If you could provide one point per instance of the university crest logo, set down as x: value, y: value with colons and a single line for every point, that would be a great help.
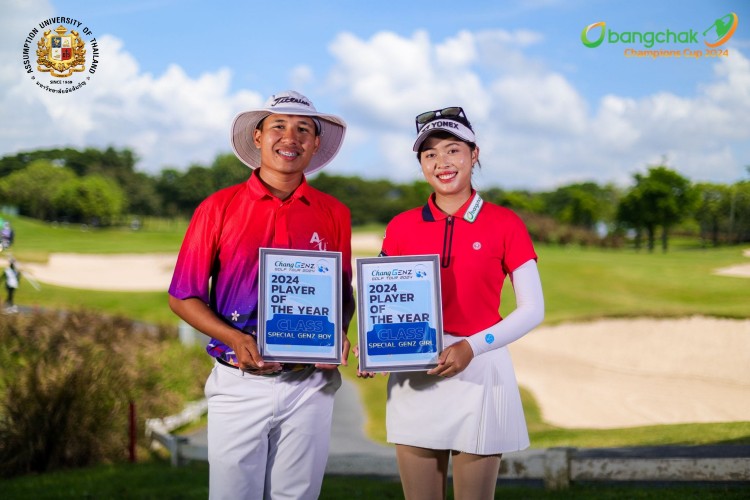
x: 66, y: 57
x: 61, y: 53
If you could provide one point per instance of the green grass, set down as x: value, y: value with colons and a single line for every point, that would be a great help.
x: 36, y: 240
x: 157, y: 480
x: 579, y: 285
x: 150, y: 307
x: 582, y: 284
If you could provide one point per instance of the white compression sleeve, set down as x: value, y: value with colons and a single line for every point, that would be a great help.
x: 529, y: 312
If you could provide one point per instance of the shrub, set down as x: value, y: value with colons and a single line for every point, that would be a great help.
x: 66, y: 381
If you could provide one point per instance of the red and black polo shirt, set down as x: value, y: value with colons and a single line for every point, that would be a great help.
x: 479, y: 246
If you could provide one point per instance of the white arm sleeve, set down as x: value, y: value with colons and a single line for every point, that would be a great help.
x: 529, y: 312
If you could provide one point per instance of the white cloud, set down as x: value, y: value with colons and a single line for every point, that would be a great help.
x: 533, y: 126
x: 705, y: 137
x: 171, y: 119
x: 379, y: 79
x: 456, y: 52
x: 543, y: 104
x: 301, y: 76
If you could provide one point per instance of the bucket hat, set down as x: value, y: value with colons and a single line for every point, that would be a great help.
x: 330, y: 128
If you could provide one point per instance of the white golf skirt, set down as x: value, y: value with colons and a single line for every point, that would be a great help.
x: 478, y: 411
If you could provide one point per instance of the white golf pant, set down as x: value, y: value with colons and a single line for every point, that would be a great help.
x: 268, y: 436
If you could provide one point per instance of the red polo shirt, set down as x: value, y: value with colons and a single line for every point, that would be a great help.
x: 219, y: 260
x: 478, y: 246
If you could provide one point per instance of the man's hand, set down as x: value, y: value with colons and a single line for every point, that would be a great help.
x: 249, y: 358
x: 345, y: 346
x: 198, y: 315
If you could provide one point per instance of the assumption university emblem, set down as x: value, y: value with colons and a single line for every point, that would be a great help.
x: 61, y: 53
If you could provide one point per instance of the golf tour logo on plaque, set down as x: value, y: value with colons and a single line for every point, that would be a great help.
x: 299, y: 314
x: 399, y: 313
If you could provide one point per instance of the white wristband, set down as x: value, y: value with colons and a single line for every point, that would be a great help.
x: 529, y: 312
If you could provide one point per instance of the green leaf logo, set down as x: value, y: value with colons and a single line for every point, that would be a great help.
x: 585, y: 35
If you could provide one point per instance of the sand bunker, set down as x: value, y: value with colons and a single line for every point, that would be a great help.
x: 740, y: 271
x: 604, y: 374
x: 134, y: 272
x: 621, y: 373
x: 106, y: 272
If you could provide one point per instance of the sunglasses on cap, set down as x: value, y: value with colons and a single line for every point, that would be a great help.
x: 453, y: 113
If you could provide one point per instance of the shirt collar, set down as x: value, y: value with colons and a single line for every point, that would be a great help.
x: 469, y: 211
x: 259, y: 191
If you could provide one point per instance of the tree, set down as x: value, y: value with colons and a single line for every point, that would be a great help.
x: 33, y: 188
x: 193, y: 187
x: 584, y: 204
x: 738, y: 208
x: 142, y: 196
x: 183, y: 192
x: 523, y: 201
x: 140, y: 189
x: 92, y: 199
x: 629, y: 212
x: 167, y: 188
x: 712, y: 214
x: 660, y: 199
x: 227, y: 170
x: 372, y: 200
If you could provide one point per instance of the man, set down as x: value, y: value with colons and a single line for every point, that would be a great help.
x: 12, y: 278
x: 7, y: 235
x: 268, y: 424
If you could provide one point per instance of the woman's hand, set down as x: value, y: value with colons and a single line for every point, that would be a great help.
x: 453, y: 360
x: 360, y: 373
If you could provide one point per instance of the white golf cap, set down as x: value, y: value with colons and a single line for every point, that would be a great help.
x: 449, y: 125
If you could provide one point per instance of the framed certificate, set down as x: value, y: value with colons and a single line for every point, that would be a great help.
x: 299, y: 309
x: 399, y: 312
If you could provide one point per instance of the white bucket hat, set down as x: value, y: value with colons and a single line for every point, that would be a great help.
x: 331, y: 129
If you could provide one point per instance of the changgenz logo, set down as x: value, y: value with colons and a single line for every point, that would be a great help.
x: 293, y: 265
x: 392, y: 272
x: 716, y: 35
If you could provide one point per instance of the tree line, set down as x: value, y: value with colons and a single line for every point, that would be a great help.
x: 102, y: 187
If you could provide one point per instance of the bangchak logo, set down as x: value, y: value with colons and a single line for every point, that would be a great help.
x: 716, y: 35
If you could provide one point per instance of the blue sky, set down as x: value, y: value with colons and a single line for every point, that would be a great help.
x: 547, y: 110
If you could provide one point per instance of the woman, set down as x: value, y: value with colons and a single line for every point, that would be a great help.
x: 468, y: 408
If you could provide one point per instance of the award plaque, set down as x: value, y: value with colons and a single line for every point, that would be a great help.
x: 299, y: 306
x: 399, y: 312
